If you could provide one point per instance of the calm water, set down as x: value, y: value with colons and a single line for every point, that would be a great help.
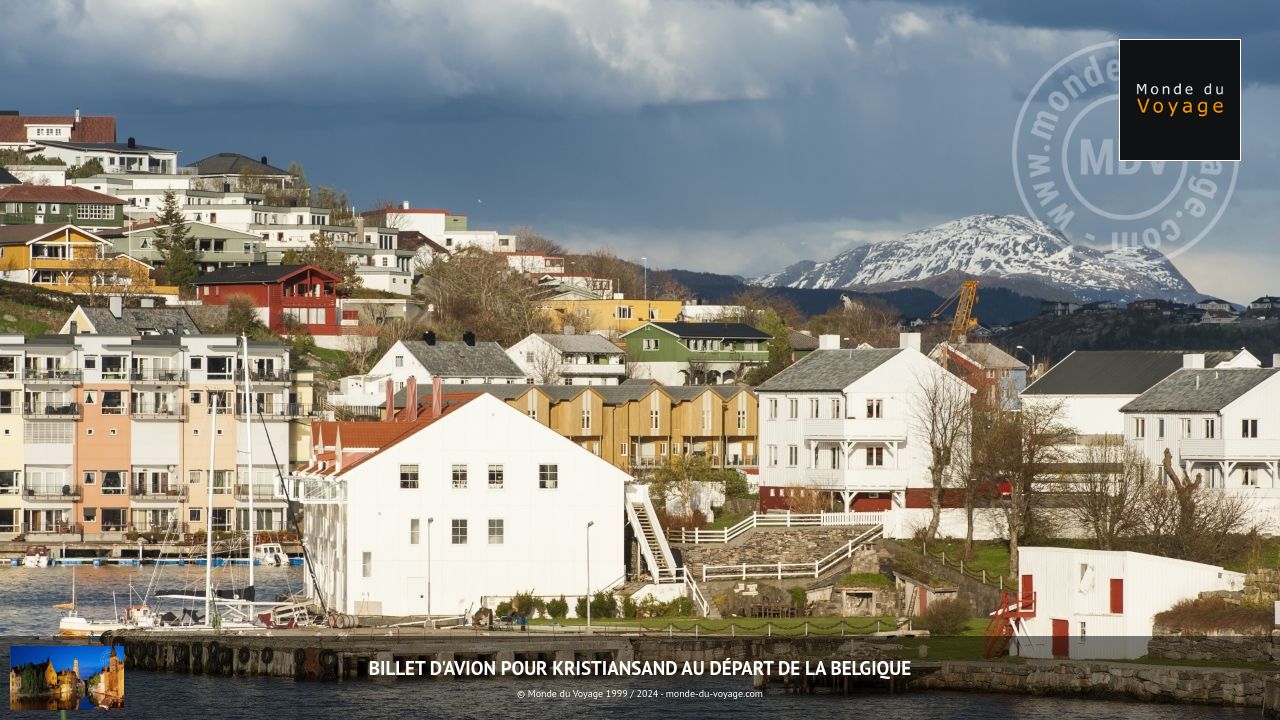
x: 27, y: 594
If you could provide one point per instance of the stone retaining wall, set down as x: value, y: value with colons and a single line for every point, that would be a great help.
x: 774, y: 545
x: 1146, y: 683
x: 1216, y: 646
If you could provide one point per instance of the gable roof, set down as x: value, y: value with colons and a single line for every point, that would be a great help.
x: 23, y: 234
x: 1107, y: 372
x: 257, y: 274
x: 73, y: 194
x: 413, y: 240
x: 828, y: 369
x: 735, y: 331
x: 234, y: 164
x: 988, y: 356
x: 587, y: 343
x: 7, y: 178
x: 134, y: 321
x: 91, y: 128
x: 110, y: 146
x: 801, y: 341
x: 458, y: 359
x: 1199, y: 390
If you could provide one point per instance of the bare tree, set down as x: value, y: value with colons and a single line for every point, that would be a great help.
x: 1185, y: 519
x: 529, y: 240
x: 544, y: 364
x: 860, y: 321
x: 1108, y: 490
x: 1037, y: 453
x: 941, y: 413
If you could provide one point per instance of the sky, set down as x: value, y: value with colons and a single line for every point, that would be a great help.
x: 733, y: 137
x: 92, y: 658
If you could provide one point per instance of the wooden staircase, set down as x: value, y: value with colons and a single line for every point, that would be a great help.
x: 653, y: 539
x: 1000, y: 631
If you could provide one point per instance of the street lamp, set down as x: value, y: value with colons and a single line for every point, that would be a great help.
x: 589, y: 524
x: 1033, y: 359
x: 429, y: 521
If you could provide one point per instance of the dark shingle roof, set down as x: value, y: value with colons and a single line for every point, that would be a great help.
x: 801, y: 341
x: 458, y: 359
x: 112, y: 146
x: 588, y: 343
x: 7, y: 178
x: 828, y: 369
x: 234, y: 164
x: 611, y: 394
x: 989, y: 356
x: 21, y: 234
x: 1199, y: 390
x: 712, y: 330
x: 136, y: 321
x: 251, y: 274
x: 1107, y: 372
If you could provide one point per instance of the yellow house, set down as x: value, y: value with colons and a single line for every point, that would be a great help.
x: 614, y: 317
x: 70, y: 259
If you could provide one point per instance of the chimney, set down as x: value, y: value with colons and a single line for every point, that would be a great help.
x: 411, y: 399
x: 390, y: 412
x: 1193, y: 360
x: 429, y: 337
x: 77, y: 116
x: 909, y: 341
x: 75, y: 328
x: 437, y: 403
x: 1275, y: 360
x: 404, y: 205
x: 147, y: 302
x: 469, y: 338
x: 568, y: 330
x: 359, y: 228
x: 132, y: 143
x: 828, y: 342
x: 116, y: 303
x: 264, y: 160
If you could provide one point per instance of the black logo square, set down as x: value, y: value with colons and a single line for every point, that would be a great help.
x: 1179, y: 100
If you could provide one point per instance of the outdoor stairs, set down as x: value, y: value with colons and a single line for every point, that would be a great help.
x: 654, y: 548
x: 651, y: 538
x: 1000, y: 631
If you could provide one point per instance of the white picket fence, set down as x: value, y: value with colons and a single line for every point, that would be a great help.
x: 780, y: 570
x: 775, y: 519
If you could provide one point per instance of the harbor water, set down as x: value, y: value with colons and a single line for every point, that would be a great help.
x: 27, y: 596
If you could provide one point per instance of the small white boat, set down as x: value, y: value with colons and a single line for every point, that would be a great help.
x: 37, y: 556
x: 271, y: 554
x: 73, y: 625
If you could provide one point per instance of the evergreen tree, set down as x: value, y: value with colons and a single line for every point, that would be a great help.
x: 177, y: 253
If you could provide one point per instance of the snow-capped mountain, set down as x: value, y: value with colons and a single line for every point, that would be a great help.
x: 1013, y: 248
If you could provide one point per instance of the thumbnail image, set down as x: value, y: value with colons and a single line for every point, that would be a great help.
x: 66, y: 677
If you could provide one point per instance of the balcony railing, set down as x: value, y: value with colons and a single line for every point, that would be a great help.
x: 55, y: 376
x: 52, y: 411
x: 271, y: 376
x: 55, y: 491
x: 159, y: 376
x: 260, y: 492
x: 142, y: 492
x: 174, y: 411
x: 277, y: 410
x: 171, y: 526
x: 57, y: 529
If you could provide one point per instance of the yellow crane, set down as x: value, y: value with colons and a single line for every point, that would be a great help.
x: 964, y: 298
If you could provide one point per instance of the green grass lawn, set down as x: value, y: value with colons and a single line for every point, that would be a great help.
x: 824, y: 626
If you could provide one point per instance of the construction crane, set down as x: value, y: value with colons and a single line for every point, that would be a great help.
x: 964, y: 298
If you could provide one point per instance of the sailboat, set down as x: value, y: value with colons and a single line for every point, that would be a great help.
x: 75, y: 625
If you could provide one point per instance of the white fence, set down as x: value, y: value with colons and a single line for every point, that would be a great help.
x: 775, y: 519
x: 780, y: 570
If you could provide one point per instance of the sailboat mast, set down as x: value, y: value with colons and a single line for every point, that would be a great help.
x: 248, y: 443
x: 208, y: 510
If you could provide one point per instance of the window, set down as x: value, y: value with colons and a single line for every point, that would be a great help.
x: 651, y: 343
x: 113, y: 402
x: 113, y: 482
x: 399, y: 361
x: 495, y: 477
x: 549, y: 476
x: 793, y: 408
x: 623, y: 451
x: 653, y: 419
x: 586, y: 418
x: 623, y: 312
x: 875, y: 457
x: 194, y: 476
x: 195, y: 397
x: 408, y: 477
x: 222, y: 482
x: 90, y: 362
x: 194, y: 515
x: 8, y: 482
x: 835, y: 408
x: 793, y: 455
x: 1248, y: 428
x: 662, y: 448
x: 813, y: 407
x: 458, y: 532
x: 773, y: 456
x: 90, y: 514
x: 459, y: 477
x: 706, y: 419
x: 1248, y: 477
x: 496, y: 531
x: 1159, y: 428
x: 1139, y: 428
x: 875, y: 408
x: 90, y: 477
x: 1210, y: 429
x: 366, y: 564
x: 197, y: 363
x: 413, y: 531
x: 742, y: 419
x: 1185, y: 427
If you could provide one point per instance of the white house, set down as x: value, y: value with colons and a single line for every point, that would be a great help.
x: 1221, y: 424
x: 113, y: 157
x: 849, y: 422
x: 1099, y: 604
x: 570, y: 359
x: 432, y: 516
x: 463, y: 362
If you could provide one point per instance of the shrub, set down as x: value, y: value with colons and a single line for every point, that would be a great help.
x: 799, y: 598
x: 580, y: 607
x: 1214, y: 613
x: 503, y: 610
x: 604, y: 605
x: 628, y: 607
x: 558, y: 608
x: 945, y: 617
x: 681, y: 606
x: 528, y: 605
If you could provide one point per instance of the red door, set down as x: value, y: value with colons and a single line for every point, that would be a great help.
x: 1117, y: 596
x: 1060, y: 642
x: 1028, y: 593
x: 924, y: 600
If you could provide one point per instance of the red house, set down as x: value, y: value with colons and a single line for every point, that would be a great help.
x: 286, y: 295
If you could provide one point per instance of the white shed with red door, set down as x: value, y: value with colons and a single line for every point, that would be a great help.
x: 1099, y: 604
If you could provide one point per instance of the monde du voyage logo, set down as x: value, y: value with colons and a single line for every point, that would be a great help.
x: 1134, y: 155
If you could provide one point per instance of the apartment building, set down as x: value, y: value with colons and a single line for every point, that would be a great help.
x: 637, y: 425
x: 851, y: 424
x: 695, y: 353
x: 71, y: 259
x: 614, y: 316
x: 107, y: 434
x: 570, y: 359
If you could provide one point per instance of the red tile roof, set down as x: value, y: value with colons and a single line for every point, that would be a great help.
x: 91, y: 128
x: 378, y: 434
x: 56, y: 194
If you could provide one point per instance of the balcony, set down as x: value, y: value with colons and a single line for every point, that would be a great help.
x: 146, y: 526
x: 173, y: 411
x: 271, y: 376
x: 51, y: 411
x: 57, y: 529
x: 1215, y: 449
x: 860, y: 479
x: 855, y: 429
x: 740, y: 461
x: 143, y: 492
x: 160, y: 376
x: 56, y: 492
x: 55, y: 376
x: 260, y: 492
x: 278, y: 411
